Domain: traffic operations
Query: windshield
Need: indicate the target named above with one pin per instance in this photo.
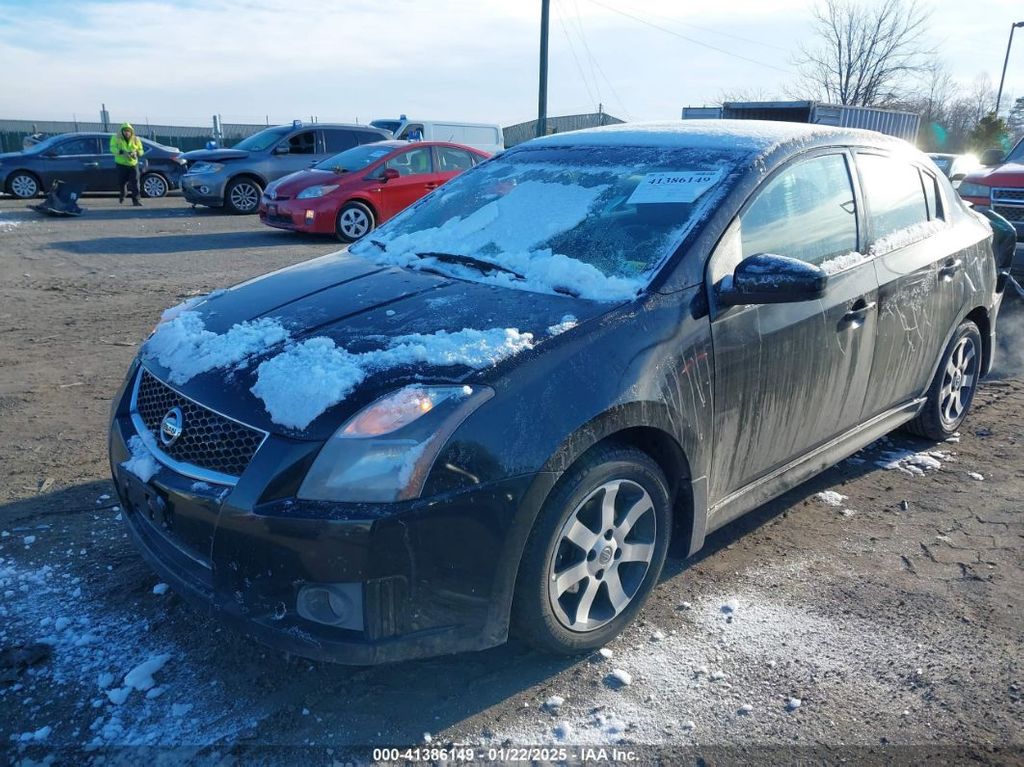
(1017, 153)
(596, 222)
(262, 140)
(356, 158)
(389, 125)
(943, 163)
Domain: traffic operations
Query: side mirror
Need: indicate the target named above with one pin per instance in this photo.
(389, 174)
(957, 177)
(281, 149)
(992, 157)
(765, 278)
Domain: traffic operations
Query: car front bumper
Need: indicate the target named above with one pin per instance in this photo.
(435, 576)
(316, 215)
(203, 189)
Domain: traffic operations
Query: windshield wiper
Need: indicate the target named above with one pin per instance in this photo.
(476, 263)
(379, 244)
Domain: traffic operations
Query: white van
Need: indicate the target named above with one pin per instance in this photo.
(487, 138)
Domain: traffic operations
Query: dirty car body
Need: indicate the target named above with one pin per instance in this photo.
(734, 389)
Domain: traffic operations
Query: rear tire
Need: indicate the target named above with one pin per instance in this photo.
(242, 196)
(24, 185)
(952, 391)
(595, 552)
(354, 220)
(153, 185)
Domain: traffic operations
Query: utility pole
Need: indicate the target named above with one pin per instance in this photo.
(542, 99)
(999, 95)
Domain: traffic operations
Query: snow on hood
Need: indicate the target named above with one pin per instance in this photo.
(301, 382)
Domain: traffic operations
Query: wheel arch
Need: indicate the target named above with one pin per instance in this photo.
(980, 316)
(249, 174)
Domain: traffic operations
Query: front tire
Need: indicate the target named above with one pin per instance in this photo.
(242, 196)
(595, 553)
(24, 185)
(354, 220)
(153, 185)
(952, 391)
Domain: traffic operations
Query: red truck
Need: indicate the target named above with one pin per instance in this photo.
(999, 185)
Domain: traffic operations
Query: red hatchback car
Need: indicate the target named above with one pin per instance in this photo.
(351, 193)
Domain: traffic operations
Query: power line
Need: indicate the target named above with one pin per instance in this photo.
(688, 39)
(575, 58)
(595, 63)
(723, 34)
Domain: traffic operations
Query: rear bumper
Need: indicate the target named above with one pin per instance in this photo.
(436, 575)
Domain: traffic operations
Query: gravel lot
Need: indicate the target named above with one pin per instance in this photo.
(883, 623)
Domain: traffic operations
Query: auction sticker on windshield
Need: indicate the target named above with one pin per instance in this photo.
(681, 186)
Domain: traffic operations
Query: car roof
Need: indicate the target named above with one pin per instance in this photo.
(401, 144)
(307, 126)
(759, 136)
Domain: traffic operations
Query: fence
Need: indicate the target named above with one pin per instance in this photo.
(185, 137)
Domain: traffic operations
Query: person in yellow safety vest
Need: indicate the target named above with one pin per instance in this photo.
(127, 149)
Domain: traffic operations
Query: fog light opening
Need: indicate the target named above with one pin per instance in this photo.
(332, 604)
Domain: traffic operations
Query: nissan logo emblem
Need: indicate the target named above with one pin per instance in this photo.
(171, 426)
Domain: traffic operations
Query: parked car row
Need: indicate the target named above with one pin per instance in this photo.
(85, 159)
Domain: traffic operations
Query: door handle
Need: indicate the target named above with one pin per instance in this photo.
(949, 269)
(90, 164)
(856, 316)
(432, 185)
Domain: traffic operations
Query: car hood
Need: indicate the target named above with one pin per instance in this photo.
(361, 306)
(1009, 174)
(214, 155)
(293, 183)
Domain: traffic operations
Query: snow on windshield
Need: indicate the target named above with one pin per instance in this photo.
(596, 222)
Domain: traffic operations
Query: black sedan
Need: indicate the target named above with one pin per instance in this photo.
(495, 414)
(85, 159)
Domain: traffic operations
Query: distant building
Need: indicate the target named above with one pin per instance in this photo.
(517, 134)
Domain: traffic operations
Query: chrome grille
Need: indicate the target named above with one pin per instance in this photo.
(1013, 213)
(208, 440)
(1008, 195)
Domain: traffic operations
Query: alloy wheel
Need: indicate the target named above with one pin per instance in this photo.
(244, 196)
(354, 223)
(154, 186)
(24, 186)
(958, 381)
(602, 555)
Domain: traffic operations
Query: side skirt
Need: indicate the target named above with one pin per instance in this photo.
(772, 485)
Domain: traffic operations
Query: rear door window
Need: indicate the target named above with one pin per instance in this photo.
(451, 160)
(338, 140)
(894, 195)
(807, 211)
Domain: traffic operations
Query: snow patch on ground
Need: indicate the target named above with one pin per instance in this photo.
(911, 462)
(831, 497)
(142, 463)
(186, 348)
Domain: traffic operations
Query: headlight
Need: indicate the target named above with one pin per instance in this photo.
(385, 451)
(206, 167)
(968, 189)
(316, 191)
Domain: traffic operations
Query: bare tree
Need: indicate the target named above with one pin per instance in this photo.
(744, 94)
(865, 54)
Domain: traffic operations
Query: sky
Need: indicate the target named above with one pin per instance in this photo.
(182, 61)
